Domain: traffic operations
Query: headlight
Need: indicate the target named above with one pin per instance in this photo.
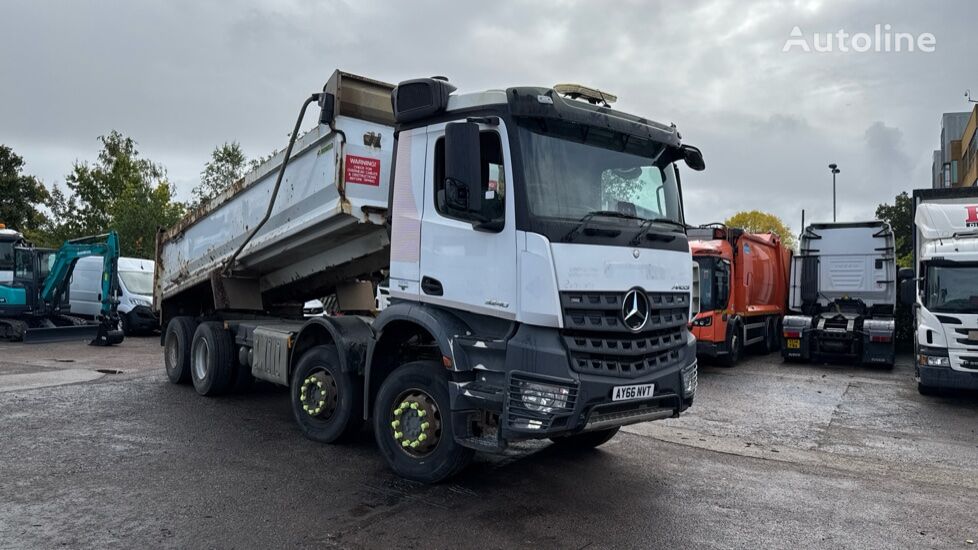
(545, 398)
(703, 321)
(689, 380)
(933, 360)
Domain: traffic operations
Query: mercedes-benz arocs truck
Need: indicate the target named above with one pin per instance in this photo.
(945, 294)
(843, 295)
(743, 291)
(539, 272)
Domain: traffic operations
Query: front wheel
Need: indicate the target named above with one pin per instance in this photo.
(734, 347)
(586, 440)
(413, 424)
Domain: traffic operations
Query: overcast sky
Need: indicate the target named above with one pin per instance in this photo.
(183, 76)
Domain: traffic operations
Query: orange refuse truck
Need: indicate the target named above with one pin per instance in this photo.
(743, 282)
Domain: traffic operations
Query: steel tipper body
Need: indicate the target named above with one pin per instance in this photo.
(945, 294)
(539, 273)
(843, 294)
(743, 291)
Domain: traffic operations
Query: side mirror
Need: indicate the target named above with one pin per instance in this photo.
(905, 273)
(908, 290)
(694, 158)
(463, 169)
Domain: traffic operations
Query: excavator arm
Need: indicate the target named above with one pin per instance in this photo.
(59, 276)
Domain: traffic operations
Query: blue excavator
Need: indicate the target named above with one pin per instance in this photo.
(34, 293)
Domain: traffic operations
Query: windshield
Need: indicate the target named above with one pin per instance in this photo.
(137, 282)
(571, 170)
(714, 282)
(952, 289)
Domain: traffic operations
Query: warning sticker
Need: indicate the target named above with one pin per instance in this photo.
(362, 170)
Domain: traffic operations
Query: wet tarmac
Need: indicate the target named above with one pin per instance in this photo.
(770, 455)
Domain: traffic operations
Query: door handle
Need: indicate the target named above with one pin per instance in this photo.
(431, 286)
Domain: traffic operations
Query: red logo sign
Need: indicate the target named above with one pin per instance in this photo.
(362, 170)
(972, 214)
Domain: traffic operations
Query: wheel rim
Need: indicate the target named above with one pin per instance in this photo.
(319, 395)
(172, 353)
(415, 423)
(201, 353)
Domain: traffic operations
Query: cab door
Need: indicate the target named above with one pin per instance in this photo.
(465, 266)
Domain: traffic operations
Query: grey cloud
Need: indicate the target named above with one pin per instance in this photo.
(184, 76)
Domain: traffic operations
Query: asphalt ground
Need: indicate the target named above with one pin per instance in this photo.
(770, 455)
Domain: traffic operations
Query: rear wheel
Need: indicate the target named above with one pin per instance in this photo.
(327, 403)
(176, 349)
(413, 424)
(211, 359)
(586, 440)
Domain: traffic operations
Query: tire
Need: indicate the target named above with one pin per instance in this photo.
(929, 391)
(735, 346)
(176, 349)
(586, 440)
(124, 324)
(341, 405)
(211, 359)
(771, 341)
(437, 456)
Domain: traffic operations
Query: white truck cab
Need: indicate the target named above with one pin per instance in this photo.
(945, 295)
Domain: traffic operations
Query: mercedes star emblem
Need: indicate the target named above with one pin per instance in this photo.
(635, 310)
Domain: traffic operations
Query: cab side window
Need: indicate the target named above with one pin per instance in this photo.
(493, 180)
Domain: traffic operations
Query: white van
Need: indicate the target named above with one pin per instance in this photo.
(135, 287)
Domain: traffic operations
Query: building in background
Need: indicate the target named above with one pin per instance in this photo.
(956, 163)
(968, 152)
(947, 171)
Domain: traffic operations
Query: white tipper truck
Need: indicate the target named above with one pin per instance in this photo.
(539, 272)
(945, 294)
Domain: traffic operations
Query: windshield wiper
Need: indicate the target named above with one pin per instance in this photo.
(647, 224)
(582, 223)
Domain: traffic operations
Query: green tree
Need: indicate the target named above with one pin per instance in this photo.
(227, 165)
(120, 191)
(756, 221)
(900, 217)
(20, 195)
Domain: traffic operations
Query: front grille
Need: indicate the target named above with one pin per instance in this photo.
(966, 333)
(599, 342)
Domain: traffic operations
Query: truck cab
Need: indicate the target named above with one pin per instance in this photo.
(943, 289)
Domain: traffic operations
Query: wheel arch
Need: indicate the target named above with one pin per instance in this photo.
(432, 328)
(351, 336)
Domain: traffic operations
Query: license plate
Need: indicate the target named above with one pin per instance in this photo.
(629, 393)
(794, 343)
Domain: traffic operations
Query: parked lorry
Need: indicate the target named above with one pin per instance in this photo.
(843, 295)
(539, 272)
(942, 288)
(743, 291)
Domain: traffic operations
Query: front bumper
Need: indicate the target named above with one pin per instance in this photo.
(537, 356)
(947, 378)
(142, 318)
(710, 349)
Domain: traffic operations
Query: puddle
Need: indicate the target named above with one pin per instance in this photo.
(109, 371)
